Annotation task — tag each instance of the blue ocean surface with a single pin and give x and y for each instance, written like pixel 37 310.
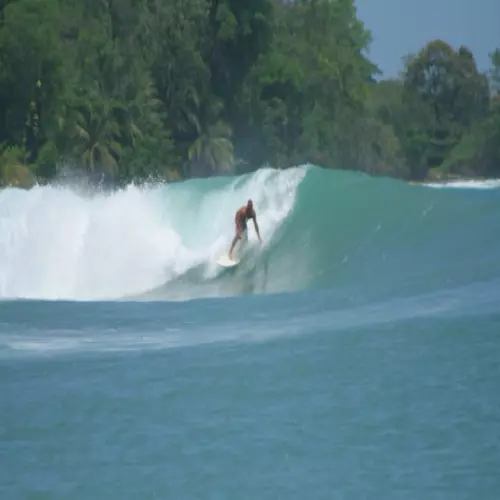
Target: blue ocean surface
pixel 354 354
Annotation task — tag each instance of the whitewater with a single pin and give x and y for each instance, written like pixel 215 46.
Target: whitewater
pixel 60 243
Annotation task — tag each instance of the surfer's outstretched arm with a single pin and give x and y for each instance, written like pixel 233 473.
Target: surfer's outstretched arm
pixel 257 228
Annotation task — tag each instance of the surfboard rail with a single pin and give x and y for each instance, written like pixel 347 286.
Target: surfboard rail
pixel 225 261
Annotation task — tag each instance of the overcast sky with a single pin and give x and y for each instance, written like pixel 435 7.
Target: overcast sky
pixel 402 26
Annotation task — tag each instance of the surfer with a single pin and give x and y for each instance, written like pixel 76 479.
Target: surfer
pixel 241 217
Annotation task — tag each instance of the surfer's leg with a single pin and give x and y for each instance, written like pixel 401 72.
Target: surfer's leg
pixel 241 229
pixel 233 244
pixel 244 237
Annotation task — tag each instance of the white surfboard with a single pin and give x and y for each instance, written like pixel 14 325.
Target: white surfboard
pixel 225 261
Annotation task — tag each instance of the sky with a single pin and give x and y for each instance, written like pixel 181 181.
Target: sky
pixel 399 27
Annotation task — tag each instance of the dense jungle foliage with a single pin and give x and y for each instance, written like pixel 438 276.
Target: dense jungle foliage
pixel 131 90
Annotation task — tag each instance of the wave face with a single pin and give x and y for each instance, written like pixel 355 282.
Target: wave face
pixel 357 235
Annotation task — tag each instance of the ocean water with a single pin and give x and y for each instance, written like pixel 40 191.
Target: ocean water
pixel 354 354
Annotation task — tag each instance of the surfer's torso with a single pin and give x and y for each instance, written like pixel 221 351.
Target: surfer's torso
pixel 242 215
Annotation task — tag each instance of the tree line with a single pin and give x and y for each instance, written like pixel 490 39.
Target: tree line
pixel 134 90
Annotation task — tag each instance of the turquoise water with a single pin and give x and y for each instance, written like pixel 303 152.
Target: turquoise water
pixel 354 355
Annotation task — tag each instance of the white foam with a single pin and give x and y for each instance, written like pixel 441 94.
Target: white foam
pixel 56 243
pixel 467 184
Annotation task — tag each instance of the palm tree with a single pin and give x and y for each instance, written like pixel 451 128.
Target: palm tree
pixel 211 149
pixel 97 135
pixel 142 113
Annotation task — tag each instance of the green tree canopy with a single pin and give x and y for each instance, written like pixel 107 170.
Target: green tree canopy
pixel 131 90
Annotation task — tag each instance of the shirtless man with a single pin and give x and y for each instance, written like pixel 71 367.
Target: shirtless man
pixel 241 218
